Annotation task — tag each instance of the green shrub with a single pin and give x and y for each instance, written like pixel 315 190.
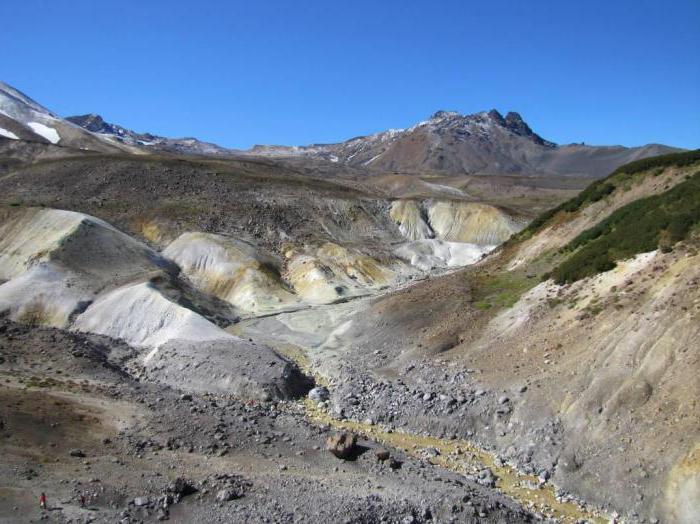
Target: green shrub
pixel 685 158
pixel 605 186
pixel 643 225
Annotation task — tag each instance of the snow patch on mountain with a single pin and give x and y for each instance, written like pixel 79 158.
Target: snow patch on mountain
pixel 8 134
pixel 49 133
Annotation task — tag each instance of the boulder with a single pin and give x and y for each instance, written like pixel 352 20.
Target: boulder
pixel 341 444
pixel 486 478
pixel 182 487
pixel 395 464
pixel 226 495
pixel 319 394
pixel 382 454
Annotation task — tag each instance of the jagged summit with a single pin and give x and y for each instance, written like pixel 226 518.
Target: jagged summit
pixel 480 143
pixel 443 114
pixel 92 122
pixel 513 122
pixel 447 142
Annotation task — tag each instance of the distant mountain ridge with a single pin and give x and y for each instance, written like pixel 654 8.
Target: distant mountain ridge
pixel 481 143
pixel 21 118
pixel 96 124
pixel 448 143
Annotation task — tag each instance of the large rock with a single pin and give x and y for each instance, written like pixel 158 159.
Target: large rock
pixel 141 501
pixel 342 445
pixel 319 394
pixel 228 494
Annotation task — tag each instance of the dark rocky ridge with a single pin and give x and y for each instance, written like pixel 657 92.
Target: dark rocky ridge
pixel 96 124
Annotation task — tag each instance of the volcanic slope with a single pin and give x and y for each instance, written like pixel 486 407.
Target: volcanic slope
pixel 21 118
pixel 285 212
pixel 592 381
pixel 482 143
pixel 69 270
pixel 76 427
pixel 180 250
pixel 164 252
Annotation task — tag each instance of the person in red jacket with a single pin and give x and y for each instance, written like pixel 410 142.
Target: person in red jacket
pixel 42 500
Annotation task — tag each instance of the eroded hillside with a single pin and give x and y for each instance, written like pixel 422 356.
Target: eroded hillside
pixel 240 279
pixel 593 383
pixel 200 244
pixel 155 269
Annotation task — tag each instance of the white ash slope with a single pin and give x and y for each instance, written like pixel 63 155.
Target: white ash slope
pixel 57 261
pixel 430 235
pixel 446 233
pixel 232 270
pixel 331 272
pixel 185 350
pixel 69 270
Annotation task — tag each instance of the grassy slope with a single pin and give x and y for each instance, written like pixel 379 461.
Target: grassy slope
pixel 603 187
pixel 658 221
pixel 646 224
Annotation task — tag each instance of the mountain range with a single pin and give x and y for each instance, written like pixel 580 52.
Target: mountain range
pixel 482 143
pixel 448 143
pixel 188 146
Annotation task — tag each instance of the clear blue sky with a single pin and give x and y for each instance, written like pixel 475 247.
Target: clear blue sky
pixel 295 72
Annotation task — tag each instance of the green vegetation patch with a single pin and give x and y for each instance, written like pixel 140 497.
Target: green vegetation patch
pixel 598 190
pixel 683 159
pixel 500 290
pixel 658 221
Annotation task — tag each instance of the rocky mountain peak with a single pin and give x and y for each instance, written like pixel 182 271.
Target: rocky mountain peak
pixel 513 117
pixel 515 123
pixel 439 115
pixel 92 122
pixel 497 117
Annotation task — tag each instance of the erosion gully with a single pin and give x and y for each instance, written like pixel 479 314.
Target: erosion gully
pixel 458 455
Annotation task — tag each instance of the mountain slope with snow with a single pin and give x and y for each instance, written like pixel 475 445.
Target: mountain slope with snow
pixel 448 143
pixel 21 118
pixel 482 143
pixel 188 146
